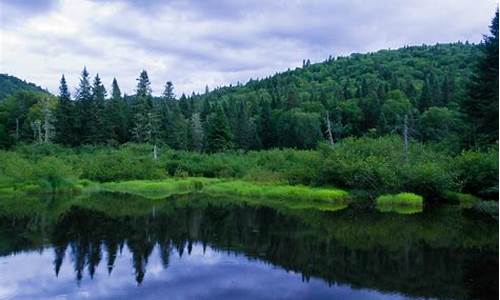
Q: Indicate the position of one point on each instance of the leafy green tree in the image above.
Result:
(481, 107)
(299, 129)
(438, 123)
(393, 111)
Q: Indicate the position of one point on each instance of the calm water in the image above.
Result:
(111, 247)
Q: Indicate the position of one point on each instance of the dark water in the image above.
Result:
(111, 247)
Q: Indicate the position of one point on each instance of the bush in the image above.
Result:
(478, 172)
(54, 175)
(378, 164)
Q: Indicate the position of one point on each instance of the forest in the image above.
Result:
(421, 119)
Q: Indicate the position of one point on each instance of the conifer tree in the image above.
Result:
(83, 107)
(64, 115)
(96, 129)
(145, 121)
(168, 93)
(218, 133)
(481, 107)
(116, 117)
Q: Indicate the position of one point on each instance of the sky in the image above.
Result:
(215, 42)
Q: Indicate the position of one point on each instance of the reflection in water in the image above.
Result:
(215, 249)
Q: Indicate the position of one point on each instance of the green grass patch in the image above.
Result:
(177, 186)
(404, 203)
(271, 191)
(158, 189)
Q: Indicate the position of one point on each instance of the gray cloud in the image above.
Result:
(195, 43)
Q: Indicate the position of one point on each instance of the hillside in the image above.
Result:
(10, 84)
(362, 93)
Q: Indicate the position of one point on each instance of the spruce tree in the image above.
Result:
(168, 93)
(96, 130)
(481, 107)
(83, 107)
(64, 115)
(218, 133)
(145, 121)
(116, 118)
(265, 126)
(242, 129)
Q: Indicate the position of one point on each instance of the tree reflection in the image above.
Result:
(407, 254)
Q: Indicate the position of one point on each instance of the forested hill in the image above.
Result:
(10, 84)
(363, 93)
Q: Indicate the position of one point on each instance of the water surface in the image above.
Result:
(121, 247)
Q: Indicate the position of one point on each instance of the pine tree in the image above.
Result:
(116, 118)
(265, 126)
(177, 129)
(242, 129)
(425, 100)
(185, 107)
(168, 93)
(83, 107)
(481, 107)
(97, 132)
(144, 118)
(218, 133)
(64, 115)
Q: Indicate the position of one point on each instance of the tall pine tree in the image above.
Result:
(64, 116)
(481, 107)
(218, 132)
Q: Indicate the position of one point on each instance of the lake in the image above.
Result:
(112, 246)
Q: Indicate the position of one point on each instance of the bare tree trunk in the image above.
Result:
(405, 138)
(155, 152)
(329, 128)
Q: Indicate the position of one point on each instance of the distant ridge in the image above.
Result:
(11, 84)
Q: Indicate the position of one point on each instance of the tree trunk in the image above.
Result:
(329, 128)
(405, 138)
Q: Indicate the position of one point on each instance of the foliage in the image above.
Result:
(481, 107)
(377, 165)
(10, 85)
(478, 172)
(363, 94)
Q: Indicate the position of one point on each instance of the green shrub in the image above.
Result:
(478, 172)
(55, 175)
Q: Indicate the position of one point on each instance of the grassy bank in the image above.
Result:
(375, 165)
(160, 189)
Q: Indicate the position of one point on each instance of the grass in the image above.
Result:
(404, 203)
(160, 189)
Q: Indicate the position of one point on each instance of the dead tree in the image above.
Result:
(329, 129)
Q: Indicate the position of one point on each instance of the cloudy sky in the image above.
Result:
(214, 42)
